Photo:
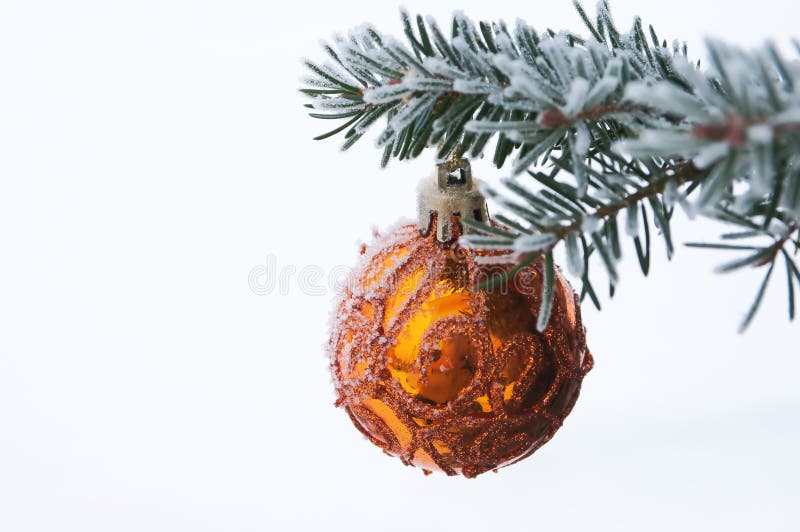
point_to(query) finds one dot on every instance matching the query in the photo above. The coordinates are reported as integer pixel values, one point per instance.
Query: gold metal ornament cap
(451, 195)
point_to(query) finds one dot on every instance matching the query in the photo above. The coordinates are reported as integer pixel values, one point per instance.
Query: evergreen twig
(616, 124)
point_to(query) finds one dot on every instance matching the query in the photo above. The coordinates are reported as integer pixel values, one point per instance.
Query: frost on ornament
(444, 377)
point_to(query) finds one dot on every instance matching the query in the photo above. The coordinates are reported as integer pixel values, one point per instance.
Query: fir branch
(614, 124)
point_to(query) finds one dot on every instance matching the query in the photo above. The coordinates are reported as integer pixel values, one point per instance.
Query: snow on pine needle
(607, 133)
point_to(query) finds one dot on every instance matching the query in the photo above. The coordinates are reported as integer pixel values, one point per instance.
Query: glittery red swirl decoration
(446, 378)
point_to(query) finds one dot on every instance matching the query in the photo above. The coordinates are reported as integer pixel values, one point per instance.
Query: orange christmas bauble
(445, 377)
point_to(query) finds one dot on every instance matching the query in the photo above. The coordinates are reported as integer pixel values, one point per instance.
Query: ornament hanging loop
(448, 197)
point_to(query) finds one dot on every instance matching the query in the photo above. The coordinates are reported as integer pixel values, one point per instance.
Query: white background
(152, 153)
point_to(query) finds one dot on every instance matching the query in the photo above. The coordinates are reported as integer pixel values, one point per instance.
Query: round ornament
(443, 376)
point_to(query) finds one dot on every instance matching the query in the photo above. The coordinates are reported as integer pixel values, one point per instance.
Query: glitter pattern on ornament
(444, 377)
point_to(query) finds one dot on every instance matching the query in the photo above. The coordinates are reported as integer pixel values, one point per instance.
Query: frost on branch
(608, 130)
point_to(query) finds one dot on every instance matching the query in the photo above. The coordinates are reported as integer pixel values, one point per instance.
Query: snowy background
(154, 153)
